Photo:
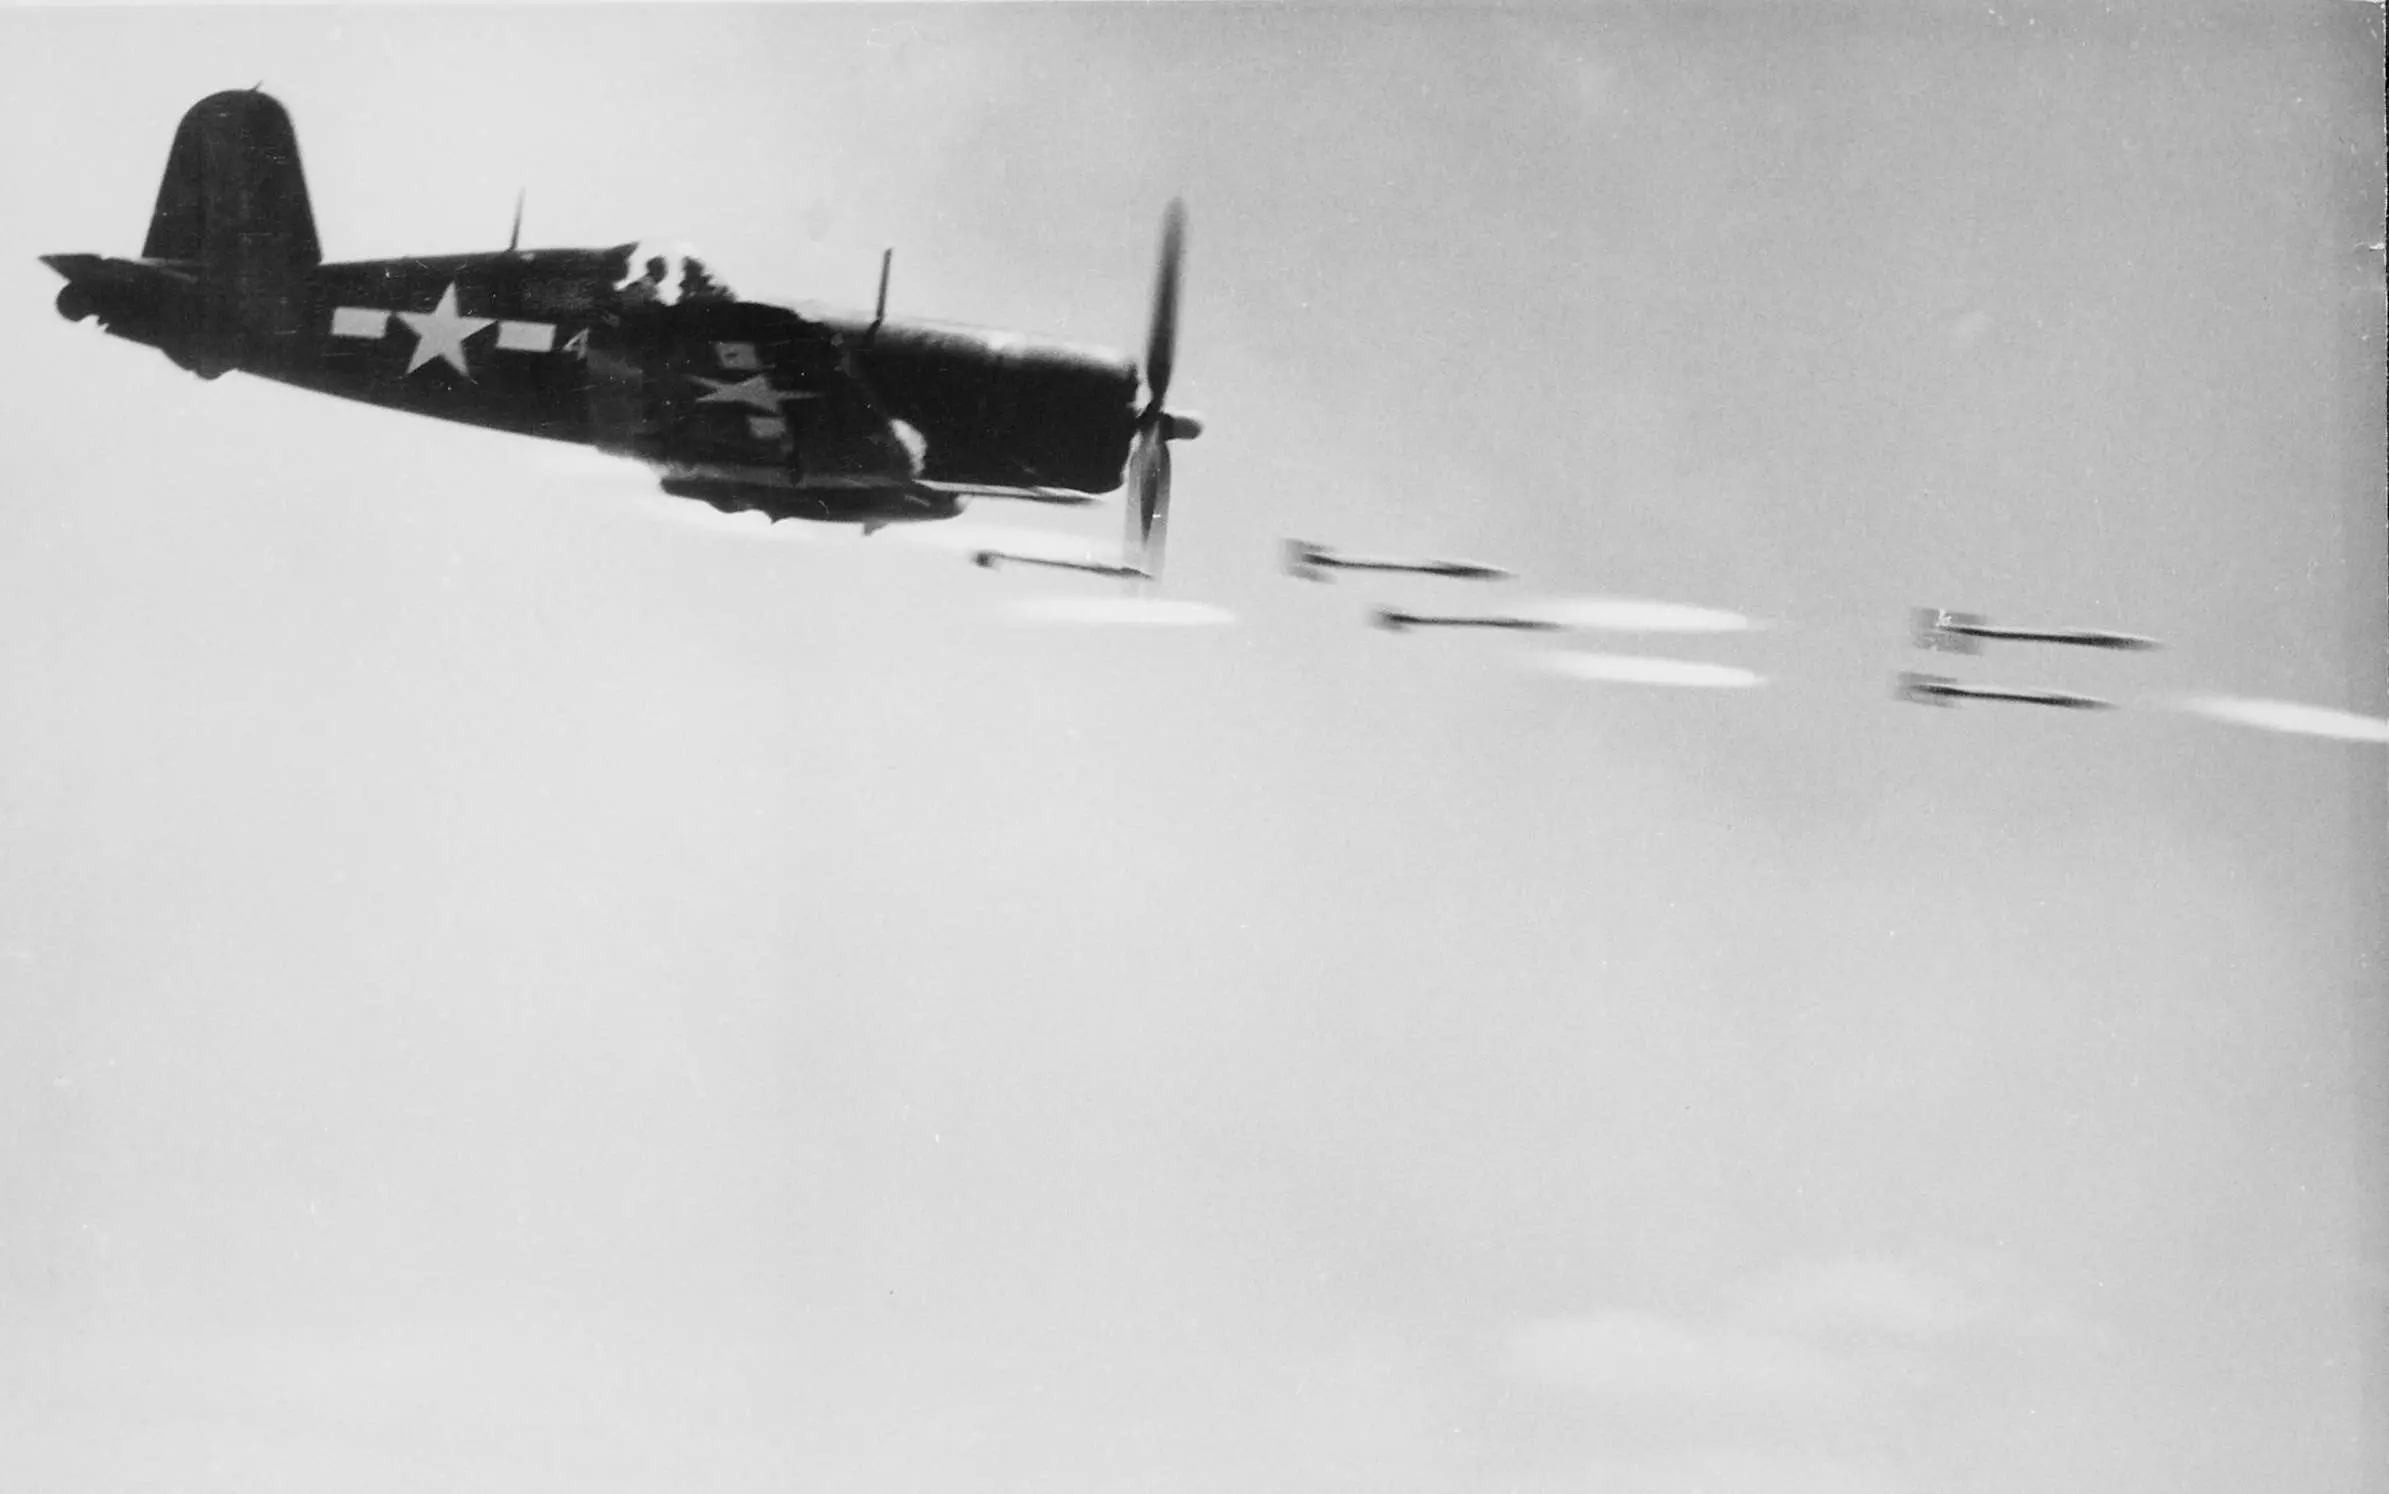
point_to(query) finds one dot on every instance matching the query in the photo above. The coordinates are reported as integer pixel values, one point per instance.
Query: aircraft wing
(741, 384)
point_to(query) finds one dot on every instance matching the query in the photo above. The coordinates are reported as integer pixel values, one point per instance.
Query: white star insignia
(441, 332)
(756, 390)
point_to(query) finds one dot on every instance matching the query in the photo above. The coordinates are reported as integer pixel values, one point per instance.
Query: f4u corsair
(823, 415)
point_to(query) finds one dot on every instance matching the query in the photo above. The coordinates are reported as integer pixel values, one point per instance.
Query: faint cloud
(1862, 1294)
(1145, 612)
(1638, 1357)
(1969, 329)
(1378, 1412)
(1583, 74)
(1860, 1297)
(1839, 1340)
(1774, 1470)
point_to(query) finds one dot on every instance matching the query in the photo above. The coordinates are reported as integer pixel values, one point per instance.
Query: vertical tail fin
(234, 203)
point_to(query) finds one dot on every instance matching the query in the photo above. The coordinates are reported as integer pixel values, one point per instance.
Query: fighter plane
(1938, 690)
(638, 350)
(1310, 562)
(1963, 632)
(1396, 621)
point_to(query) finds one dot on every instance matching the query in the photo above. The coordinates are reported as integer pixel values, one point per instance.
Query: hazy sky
(509, 983)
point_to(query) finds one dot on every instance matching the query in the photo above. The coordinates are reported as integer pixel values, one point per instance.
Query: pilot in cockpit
(697, 283)
(667, 275)
(648, 289)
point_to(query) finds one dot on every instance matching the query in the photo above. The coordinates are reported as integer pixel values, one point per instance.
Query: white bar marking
(527, 337)
(359, 321)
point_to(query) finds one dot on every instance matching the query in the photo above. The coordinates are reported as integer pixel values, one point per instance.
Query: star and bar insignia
(441, 333)
(755, 390)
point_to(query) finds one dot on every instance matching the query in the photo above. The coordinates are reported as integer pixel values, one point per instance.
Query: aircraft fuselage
(751, 404)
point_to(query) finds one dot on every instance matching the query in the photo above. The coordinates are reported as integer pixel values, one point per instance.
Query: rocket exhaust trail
(1634, 615)
(1643, 669)
(2285, 716)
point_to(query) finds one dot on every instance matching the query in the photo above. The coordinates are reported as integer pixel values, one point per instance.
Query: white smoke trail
(1629, 615)
(1639, 669)
(591, 471)
(2287, 716)
(1141, 612)
(589, 462)
(587, 467)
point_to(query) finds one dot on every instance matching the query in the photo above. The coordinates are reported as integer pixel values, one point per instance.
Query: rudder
(234, 201)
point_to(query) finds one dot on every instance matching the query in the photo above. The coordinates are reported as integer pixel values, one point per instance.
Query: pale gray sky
(509, 984)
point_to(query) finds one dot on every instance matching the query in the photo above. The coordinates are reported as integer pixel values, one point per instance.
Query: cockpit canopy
(665, 273)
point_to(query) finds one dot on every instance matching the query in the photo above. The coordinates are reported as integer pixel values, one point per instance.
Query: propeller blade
(1161, 346)
(1148, 479)
(1156, 498)
(1148, 505)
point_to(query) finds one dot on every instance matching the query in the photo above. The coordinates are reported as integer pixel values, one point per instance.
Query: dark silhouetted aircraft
(636, 350)
(1963, 632)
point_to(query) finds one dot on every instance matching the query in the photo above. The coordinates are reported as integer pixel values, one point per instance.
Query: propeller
(1149, 456)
